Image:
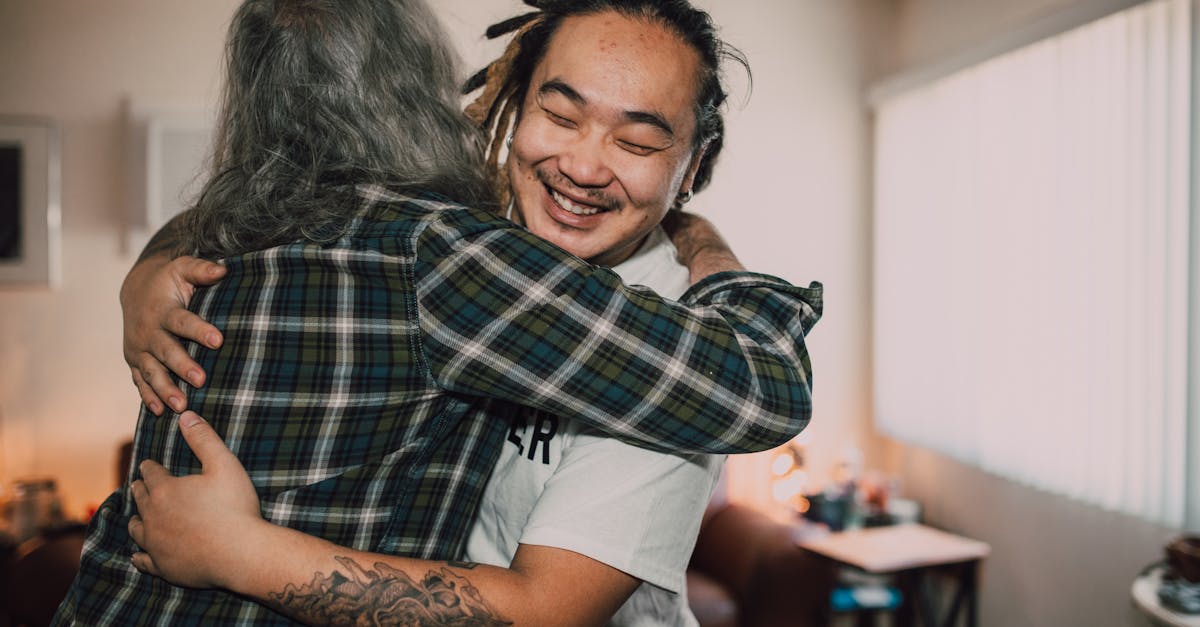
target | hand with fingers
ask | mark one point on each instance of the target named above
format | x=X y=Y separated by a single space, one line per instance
x=192 y=530
x=154 y=300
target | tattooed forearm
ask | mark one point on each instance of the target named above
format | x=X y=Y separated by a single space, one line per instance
x=165 y=241
x=386 y=596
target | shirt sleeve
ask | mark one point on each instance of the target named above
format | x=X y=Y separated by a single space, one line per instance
x=504 y=314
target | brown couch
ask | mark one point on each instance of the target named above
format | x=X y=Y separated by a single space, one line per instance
x=35 y=575
x=747 y=571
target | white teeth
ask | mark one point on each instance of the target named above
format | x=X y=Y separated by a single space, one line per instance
x=566 y=203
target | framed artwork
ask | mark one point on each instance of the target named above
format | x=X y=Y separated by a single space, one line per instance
x=30 y=212
x=167 y=149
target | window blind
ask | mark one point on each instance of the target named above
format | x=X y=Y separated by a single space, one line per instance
x=1031 y=262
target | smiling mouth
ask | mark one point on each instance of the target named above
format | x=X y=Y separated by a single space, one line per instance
x=572 y=206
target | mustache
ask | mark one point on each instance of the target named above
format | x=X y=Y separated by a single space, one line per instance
x=552 y=178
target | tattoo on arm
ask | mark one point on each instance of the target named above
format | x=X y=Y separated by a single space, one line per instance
x=165 y=241
x=387 y=596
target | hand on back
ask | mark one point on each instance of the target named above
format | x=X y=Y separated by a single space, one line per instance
x=154 y=300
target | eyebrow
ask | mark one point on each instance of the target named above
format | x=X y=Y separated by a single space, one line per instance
x=656 y=120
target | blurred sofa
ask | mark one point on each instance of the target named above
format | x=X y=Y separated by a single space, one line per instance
x=747 y=571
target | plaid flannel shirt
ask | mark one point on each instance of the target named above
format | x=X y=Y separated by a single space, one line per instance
x=355 y=378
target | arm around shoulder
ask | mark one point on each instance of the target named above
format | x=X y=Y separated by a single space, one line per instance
x=506 y=315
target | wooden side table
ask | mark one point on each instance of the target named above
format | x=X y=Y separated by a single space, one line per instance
x=909 y=552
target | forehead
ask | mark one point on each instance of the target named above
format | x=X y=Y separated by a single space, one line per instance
x=624 y=64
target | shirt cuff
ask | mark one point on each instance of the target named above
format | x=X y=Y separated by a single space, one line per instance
x=703 y=291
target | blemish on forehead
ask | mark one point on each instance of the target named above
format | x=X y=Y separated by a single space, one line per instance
x=651 y=35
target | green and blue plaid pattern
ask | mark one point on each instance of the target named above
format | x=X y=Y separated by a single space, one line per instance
x=354 y=383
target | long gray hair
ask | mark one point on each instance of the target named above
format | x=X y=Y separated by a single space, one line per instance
x=323 y=95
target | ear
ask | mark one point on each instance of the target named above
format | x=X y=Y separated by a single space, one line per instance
x=689 y=176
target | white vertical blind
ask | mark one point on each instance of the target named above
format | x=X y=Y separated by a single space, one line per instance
x=1031 y=259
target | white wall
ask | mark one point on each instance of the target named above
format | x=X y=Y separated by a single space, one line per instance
x=789 y=193
x=66 y=399
x=1054 y=561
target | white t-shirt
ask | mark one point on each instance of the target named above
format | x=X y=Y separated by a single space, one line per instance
x=562 y=484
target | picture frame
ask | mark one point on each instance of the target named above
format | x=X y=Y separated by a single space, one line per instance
x=166 y=155
x=30 y=209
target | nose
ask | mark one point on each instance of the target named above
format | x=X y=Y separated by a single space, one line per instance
x=583 y=161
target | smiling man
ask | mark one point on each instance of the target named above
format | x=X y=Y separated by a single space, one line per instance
x=604 y=144
x=617 y=121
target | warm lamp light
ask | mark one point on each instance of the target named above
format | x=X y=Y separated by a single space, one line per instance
x=789 y=479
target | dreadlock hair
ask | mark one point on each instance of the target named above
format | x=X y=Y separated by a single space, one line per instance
x=321 y=96
x=505 y=81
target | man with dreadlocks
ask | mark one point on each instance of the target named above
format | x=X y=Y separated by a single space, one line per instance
x=614 y=112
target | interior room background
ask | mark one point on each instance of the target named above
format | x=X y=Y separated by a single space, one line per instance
x=792 y=194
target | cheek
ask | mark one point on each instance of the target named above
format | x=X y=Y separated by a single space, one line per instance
x=533 y=142
x=652 y=185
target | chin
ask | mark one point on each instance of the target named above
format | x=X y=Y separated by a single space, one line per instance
x=582 y=252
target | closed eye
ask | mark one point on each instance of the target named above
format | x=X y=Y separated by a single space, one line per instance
x=637 y=149
x=558 y=119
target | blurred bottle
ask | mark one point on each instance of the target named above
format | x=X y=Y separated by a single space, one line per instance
x=35 y=505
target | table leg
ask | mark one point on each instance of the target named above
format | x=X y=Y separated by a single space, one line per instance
x=965 y=594
x=971 y=582
x=909 y=585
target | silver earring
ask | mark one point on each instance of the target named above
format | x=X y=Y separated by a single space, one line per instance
x=508 y=142
x=684 y=197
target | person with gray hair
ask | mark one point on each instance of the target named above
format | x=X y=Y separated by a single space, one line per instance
x=377 y=333
x=322 y=97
